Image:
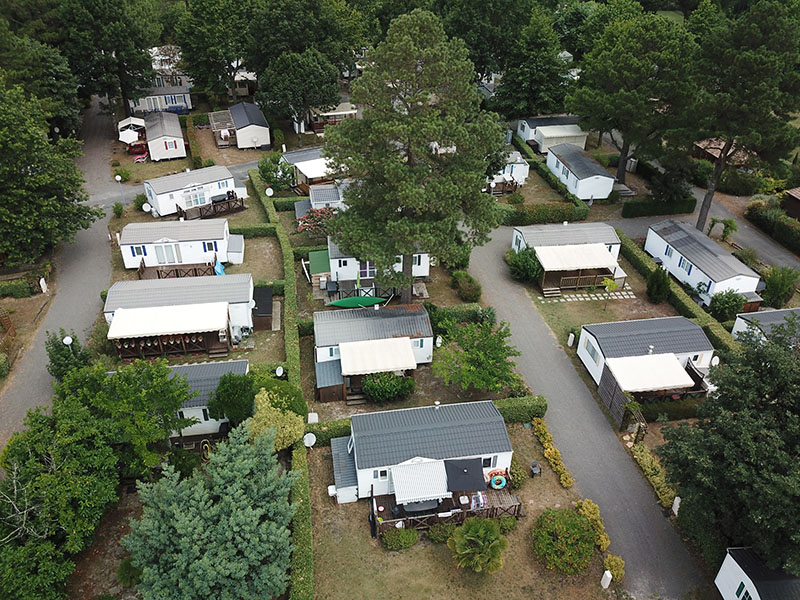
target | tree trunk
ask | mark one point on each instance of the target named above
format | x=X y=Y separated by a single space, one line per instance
x=599 y=139
x=719 y=167
x=623 y=160
x=408 y=265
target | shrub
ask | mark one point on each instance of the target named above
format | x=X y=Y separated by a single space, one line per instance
x=615 y=565
x=287 y=204
x=655 y=474
x=388 y=387
x=478 y=545
x=700 y=172
x=284 y=394
x=5 y=364
x=564 y=540
x=533 y=214
x=201 y=119
x=658 y=286
x=780 y=285
x=518 y=472
x=515 y=198
x=524 y=266
x=669 y=187
x=748 y=256
x=740 y=183
x=125 y=174
x=16 y=288
x=184 y=461
x=139 y=201
x=278 y=137
x=128 y=575
x=62 y=358
x=522 y=410
x=399 y=539
x=724 y=306
x=305 y=327
x=327 y=430
x=182 y=121
x=274 y=173
x=507 y=523
x=591 y=511
x=209 y=162
x=464 y=313
x=551 y=453
x=647 y=207
x=440 y=532
x=289 y=427
x=301 y=568
x=467 y=287
x=765 y=213
x=675 y=410
x=118 y=210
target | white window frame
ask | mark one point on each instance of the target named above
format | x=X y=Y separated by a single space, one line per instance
x=416 y=260
x=342 y=262
x=138 y=250
x=668 y=251
x=591 y=350
x=420 y=343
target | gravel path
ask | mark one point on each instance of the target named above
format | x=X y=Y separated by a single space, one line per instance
x=657 y=564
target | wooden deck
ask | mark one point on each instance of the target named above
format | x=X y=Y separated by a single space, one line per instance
x=215 y=209
x=175 y=271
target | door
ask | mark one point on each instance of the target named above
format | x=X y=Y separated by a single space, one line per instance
x=168 y=254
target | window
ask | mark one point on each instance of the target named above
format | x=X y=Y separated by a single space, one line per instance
x=383 y=474
x=180 y=414
x=209 y=246
x=205 y=414
x=416 y=260
x=170 y=144
x=523 y=125
x=342 y=263
x=418 y=343
x=517 y=242
x=222 y=184
x=138 y=251
x=743 y=596
x=668 y=251
x=591 y=350
x=194 y=197
x=366 y=269
x=695 y=358
x=558 y=164
x=487 y=463
x=565 y=171
x=685 y=265
x=333 y=351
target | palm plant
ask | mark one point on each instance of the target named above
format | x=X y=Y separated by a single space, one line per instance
x=478 y=545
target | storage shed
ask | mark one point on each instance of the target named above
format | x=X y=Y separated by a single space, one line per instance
x=543 y=132
x=584 y=176
x=262 y=311
x=252 y=129
x=164 y=136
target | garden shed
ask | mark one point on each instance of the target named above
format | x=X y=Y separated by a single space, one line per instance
x=164 y=136
x=252 y=129
x=262 y=311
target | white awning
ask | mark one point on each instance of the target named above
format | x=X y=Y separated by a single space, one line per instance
x=168 y=320
x=377 y=356
x=571 y=258
x=313 y=169
x=130 y=122
x=558 y=131
x=128 y=136
x=649 y=373
x=420 y=481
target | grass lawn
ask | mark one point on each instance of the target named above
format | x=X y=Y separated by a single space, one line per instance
x=536 y=191
x=439 y=290
x=253 y=215
x=146 y=170
x=262 y=258
x=346 y=558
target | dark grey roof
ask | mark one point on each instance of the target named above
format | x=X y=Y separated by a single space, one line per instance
x=178 y=231
x=167 y=90
x=326 y=192
x=263 y=298
x=301 y=207
x=334 y=251
x=703 y=252
x=765 y=320
x=171 y=183
x=579 y=162
x=450 y=431
x=302 y=155
x=633 y=338
x=771 y=584
x=247 y=113
x=329 y=373
x=235 y=242
x=203 y=378
x=159 y=124
x=570 y=234
x=183 y=290
x=344 y=467
x=333 y=327
x=535 y=122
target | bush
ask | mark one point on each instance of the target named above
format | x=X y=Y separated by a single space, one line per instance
x=464 y=313
x=201 y=119
x=289 y=427
x=522 y=410
x=551 y=453
x=515 y=198
x=615 y=565
x=467 y=287
x=655 y=474
x=209 y=162
x=399 y=539
x=62 y=358
x=278 y=138
x=127 y=574
x=301 y=569
x=478 y=545
x=388 y=387
x=748 y=256
x=564 y=540
x=284 y=394
x=16 y=288
x=125 y=174
x=724 y=306
x=327 y=430
x=780 y=286
x=647 y=207
x=182 y=121
x=524 y=265
x=305 y=327
x=440 y=532
x=507 y=523
x=118 y=210
x=5 y=364
x=700 y=172
x=765 y=213
x=534 y=214
x=184 y=461
x=658 y=286
x=287 y=204
x=591 y=511
x=740 y=183
x=139 y=201
x=675 y=410
x=115 y=163
x=518 y=473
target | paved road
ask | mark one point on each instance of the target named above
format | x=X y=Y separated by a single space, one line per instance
x=657 y=564
x=83 y=270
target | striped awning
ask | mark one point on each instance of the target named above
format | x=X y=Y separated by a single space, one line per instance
x=420 y=481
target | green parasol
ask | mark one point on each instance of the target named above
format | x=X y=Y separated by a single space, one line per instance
x=358 y=301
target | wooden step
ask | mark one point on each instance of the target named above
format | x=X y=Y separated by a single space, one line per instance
x=551 y=292
x=355 y=399
x=221 y=354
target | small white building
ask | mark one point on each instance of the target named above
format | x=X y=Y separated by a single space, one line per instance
x=190 y=189
x=540 y=133
x=347 y=269
x=309 y=166
x=742 y=576
x=164 y=136
x=318 y=119
x=175 y=243
x=252 y=129
x=697 y=261
x=584 y=176
x=763 y=322
x=171 y=98
x=421 y=455
x=513 y=174
x=323 y=195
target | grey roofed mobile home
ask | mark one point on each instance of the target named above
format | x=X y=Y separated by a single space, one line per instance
x=171 y=183
x=302 y=155
x=167 y=90
x=334 y=251
x=344 y=469
x=535 y=122
x=447 y=431
x=770 y=584
x=765 y=320
x=568 y=235
x=203 y=378
x=578 y=162
x=359 y=324
x=159 y=124
x=179 y=231
x=702 y=251
x=247 y=113
x=145 y=293
x=674 y=335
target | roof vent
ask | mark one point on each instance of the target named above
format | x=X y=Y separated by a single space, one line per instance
x=650 y=349
x=436 y=405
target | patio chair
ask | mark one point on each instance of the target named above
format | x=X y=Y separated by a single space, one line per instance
x=141 y=158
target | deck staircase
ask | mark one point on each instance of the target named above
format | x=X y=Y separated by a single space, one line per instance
x=355 y=399
x=551 y=292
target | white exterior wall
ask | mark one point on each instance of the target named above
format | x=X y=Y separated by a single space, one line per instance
x=523 y=131
x=164 y=204
x=159 y=103
x=158 y=150
x=730 y=576
x=349 y=272
x=205 y=426
x=241 y=314
x=545 y=142
x=518 y=171
x=598 y=187
x=593 y=365
x=244 y=137
x=518 y=243
x=191 y=253
x=422 y=354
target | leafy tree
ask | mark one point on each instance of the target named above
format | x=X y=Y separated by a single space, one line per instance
x=379 y=14
x=418 y=156
x=276 y=174
x=288 y=426
x=748 y=82
x=42 y=191
x=570 y=19
x=658 y=286
x=724 y=306
x=524 y=265
x=36 y=570
x=295 y=83
x=283 y=395
x=534 y=81
x=233 y=398
x=669 y=186
x=729 y=226
x=315 y=222
x=618 y=91
x=63 y=358
x=477 y=355
x=388 y=387
x=478 y=545
x=780 y=285
x=611 y=286
x=600 y=17
x=564 y=540
x=743 y=450
x=227 y=528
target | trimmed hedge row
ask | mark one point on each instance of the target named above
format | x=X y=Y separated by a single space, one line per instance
x=781 y=227
x=674 y=409
x=194 y=147
x=287 y=204
x=303 y=251
x=551 y=453
x=301 y=568
x=253 y=231
x=522 y=410
x=645 y=208
x=329 y=429
x=535 y=214
x=16 y=288
x=277 y=286
x=655 y=474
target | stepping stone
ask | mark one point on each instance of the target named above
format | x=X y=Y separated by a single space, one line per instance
x=629 y=444
x=626 y=437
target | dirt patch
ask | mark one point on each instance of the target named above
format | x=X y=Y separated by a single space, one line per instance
x=262 y=258
x=96 y=566
x=439 y=290
x=296 y=238
x=26 y=315
x=147 y=170
x=223 y=156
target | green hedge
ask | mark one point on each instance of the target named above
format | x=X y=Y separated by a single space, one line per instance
x=781 y=227
x=277 y=286
x=301 y=568
x=329 y=429
x=305 y=327
x=253 y=231
x=302 y=251
x=524 y=149
x=200 y=119
x=720 y=337
x=535 y=214
x=522 y=410
x=655 y=474
x=287 y=204
x=646 y=208
x=675 y=409
x=16 y=288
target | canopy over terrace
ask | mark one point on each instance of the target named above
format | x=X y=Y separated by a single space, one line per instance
x=650 y=372
x=377 y=356
x=575 y=266
x=313 y=169
x=420 y=481
x=168 y=320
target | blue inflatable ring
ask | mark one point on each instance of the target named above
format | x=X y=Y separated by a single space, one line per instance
x=498 y=482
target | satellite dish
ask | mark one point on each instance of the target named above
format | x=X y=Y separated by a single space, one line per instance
x=270 y=192
x=279 y=371
x=146 y=207
x=715 y=361
x=67 y=341
x=251 y=304
x=309 y=440
x=438 y=341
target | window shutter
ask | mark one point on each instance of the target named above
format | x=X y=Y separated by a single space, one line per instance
x=133 y=252
x=166 y=145
x=215 y=246
x=689 y=272
x=144 y=250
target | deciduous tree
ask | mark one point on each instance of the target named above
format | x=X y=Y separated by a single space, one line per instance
x=233 y=398
x=276 y=174
x=419 y=155
x=287 y=425
x=64 y=358
x=315 y=222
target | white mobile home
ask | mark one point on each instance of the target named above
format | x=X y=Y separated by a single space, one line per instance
x=763 y=322
x=696 y=260
x=347 y=270
x=584 y=176
x=423 y=455
x=309 y=166
x=252 y=129
x=171 y=98
x=319 y=119
x=175 y=243
x=742 y=576
x=190 y=189
x=164 y=136
x=513 y=174
x=540 y=133
x=322 y=195
x=567 y=234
